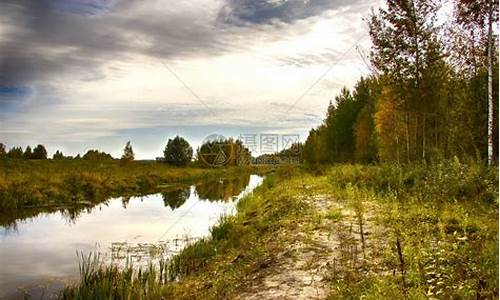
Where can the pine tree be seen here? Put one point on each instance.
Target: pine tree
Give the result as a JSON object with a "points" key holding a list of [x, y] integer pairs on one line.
{"points": [[28, 154], [128, 152], [15, 153], [58, 155]]}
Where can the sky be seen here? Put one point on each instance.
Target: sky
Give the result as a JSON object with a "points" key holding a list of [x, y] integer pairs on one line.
{"points": [[83, 74]]}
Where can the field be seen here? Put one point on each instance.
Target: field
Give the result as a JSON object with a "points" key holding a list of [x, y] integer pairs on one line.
{"points": [[341, 232], [28, 187]]}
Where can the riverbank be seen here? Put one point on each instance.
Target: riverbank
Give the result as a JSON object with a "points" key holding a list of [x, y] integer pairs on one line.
{"points": [[27, 187], [415, 232]]}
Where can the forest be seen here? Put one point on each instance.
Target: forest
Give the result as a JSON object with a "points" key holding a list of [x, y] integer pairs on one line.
{"points": [[427, 98]]}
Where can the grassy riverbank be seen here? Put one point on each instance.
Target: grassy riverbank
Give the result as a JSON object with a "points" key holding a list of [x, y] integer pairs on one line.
{"points": [[28, 186], [378, 232]]}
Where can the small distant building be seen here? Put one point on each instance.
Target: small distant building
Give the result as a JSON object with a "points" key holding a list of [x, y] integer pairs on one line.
{"points": [[160, 159]]}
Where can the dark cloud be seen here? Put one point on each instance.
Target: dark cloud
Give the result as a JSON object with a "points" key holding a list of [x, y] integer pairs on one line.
{"points": [[247, 12], [43, 39]]}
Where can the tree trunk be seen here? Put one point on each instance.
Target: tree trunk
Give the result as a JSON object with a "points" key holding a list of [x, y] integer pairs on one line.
{"points": [[396, 121], [423, 136], [397, 149], [416, 142], [407, 137], [490, 83]]}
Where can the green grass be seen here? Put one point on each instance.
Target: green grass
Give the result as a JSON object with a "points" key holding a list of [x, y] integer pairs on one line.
{"points": [[434, 231], [334, 214], [99, 282], [29, 187], [443, 218]]}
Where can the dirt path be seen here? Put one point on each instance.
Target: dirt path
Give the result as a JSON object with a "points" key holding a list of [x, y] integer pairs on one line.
{"points": [[334, 240]]}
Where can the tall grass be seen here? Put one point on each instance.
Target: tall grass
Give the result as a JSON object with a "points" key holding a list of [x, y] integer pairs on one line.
{"points": [[99, 281], [448, 180], [440, 231]]}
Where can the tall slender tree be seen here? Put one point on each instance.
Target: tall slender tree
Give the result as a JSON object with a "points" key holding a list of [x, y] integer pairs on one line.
{"points": [[478, 17], [490, 82], [128, 152], [405, 48]]}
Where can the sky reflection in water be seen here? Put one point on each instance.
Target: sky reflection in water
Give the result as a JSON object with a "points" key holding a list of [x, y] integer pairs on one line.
{"points": [[42, 250]]}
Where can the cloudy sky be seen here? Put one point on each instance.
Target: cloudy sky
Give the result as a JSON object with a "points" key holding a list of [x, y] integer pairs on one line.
{"points": [[80, 74]]}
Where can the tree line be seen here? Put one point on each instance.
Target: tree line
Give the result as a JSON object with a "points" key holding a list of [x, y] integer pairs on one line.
{"points": [[214, 153], [40, 153], [428, 94], [177, 152]]}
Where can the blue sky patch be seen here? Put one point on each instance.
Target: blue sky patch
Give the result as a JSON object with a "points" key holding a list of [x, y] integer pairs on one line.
{"points": [[11, 97], [81, 7]]}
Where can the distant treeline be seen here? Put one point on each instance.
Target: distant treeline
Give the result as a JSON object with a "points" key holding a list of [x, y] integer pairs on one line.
{"points": [[178, 152], [428, 95], [39, 152]]}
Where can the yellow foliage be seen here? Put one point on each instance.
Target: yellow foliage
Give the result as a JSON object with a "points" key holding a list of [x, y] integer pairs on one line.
{"points": [[389, 127]]}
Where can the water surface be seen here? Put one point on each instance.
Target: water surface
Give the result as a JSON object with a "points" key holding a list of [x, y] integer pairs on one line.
{"points": [[38, 255]]}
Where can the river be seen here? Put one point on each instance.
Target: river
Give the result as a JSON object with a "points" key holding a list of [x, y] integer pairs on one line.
{"points": [[38, 256]]}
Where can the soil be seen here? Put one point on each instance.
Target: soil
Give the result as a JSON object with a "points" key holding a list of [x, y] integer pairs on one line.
{"points": [[318, 252]]}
